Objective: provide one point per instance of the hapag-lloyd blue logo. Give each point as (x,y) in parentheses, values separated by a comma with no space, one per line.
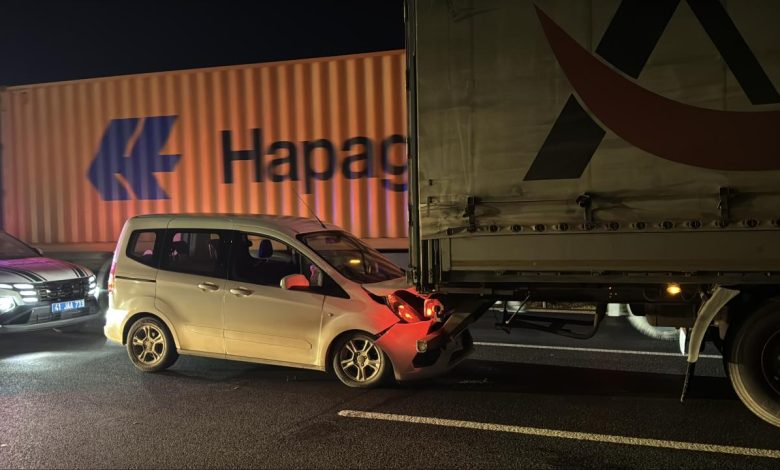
(139,166)
(279,161)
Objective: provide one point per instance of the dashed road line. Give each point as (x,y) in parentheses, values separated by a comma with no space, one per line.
(554,433)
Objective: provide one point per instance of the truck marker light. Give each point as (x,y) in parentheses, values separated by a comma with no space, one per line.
(673,289)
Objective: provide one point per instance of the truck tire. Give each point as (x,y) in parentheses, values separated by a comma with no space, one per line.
(640,323)
(753,361)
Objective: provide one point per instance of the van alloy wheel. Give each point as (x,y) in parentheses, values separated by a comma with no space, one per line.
(359,362)
(149,344)
(360,359)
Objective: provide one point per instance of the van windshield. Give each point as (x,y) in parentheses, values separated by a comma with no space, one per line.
(11,248)
(351,257)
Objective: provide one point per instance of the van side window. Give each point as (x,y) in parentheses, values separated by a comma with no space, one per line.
(202,252)
(144,247)
(263,260)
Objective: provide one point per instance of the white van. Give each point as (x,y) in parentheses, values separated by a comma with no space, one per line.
(278,290)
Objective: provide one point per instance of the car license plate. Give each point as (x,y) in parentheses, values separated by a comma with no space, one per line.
(65,306)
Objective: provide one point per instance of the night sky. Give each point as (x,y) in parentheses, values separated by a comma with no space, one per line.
(48,40)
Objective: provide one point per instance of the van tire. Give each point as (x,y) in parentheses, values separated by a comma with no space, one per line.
(753,361)
(150,345)
(353,360)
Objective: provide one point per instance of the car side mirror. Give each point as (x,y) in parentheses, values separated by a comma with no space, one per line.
(40,252)
(294,281)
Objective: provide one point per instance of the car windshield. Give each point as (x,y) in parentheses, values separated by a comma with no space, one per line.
(11,248)
(351,257)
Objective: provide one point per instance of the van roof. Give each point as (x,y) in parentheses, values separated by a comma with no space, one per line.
(281,223)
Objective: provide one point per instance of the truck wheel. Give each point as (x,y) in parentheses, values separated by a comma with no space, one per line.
(150,345)
(640,323)
(753,362)
(358,362)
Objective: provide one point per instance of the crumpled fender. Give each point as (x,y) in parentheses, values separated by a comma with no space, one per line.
(399,342)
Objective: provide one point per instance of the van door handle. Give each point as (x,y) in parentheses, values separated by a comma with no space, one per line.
(208,287)
(240,291)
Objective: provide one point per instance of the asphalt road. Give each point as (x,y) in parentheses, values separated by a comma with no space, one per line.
(73,400)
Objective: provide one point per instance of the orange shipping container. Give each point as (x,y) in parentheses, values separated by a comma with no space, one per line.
(80,157)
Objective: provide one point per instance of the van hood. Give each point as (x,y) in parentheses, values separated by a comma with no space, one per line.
(39,269)
(386,288)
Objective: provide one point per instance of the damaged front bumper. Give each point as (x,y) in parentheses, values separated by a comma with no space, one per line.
(424,349)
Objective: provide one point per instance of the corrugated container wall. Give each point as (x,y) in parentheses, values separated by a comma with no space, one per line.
(81,157)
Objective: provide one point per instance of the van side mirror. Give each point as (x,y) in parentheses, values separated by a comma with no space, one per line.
(294,281)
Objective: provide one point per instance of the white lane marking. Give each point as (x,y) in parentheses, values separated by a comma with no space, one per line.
(613,351)
(578,436)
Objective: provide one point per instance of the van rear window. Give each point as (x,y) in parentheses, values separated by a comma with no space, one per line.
(196,251)
(143,247)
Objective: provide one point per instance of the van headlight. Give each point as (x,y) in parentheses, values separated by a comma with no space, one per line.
(7,304)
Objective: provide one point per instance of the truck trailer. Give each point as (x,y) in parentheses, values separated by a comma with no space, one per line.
(570,153)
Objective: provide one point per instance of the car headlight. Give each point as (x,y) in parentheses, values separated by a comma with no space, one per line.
(93,288)
(7,304)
